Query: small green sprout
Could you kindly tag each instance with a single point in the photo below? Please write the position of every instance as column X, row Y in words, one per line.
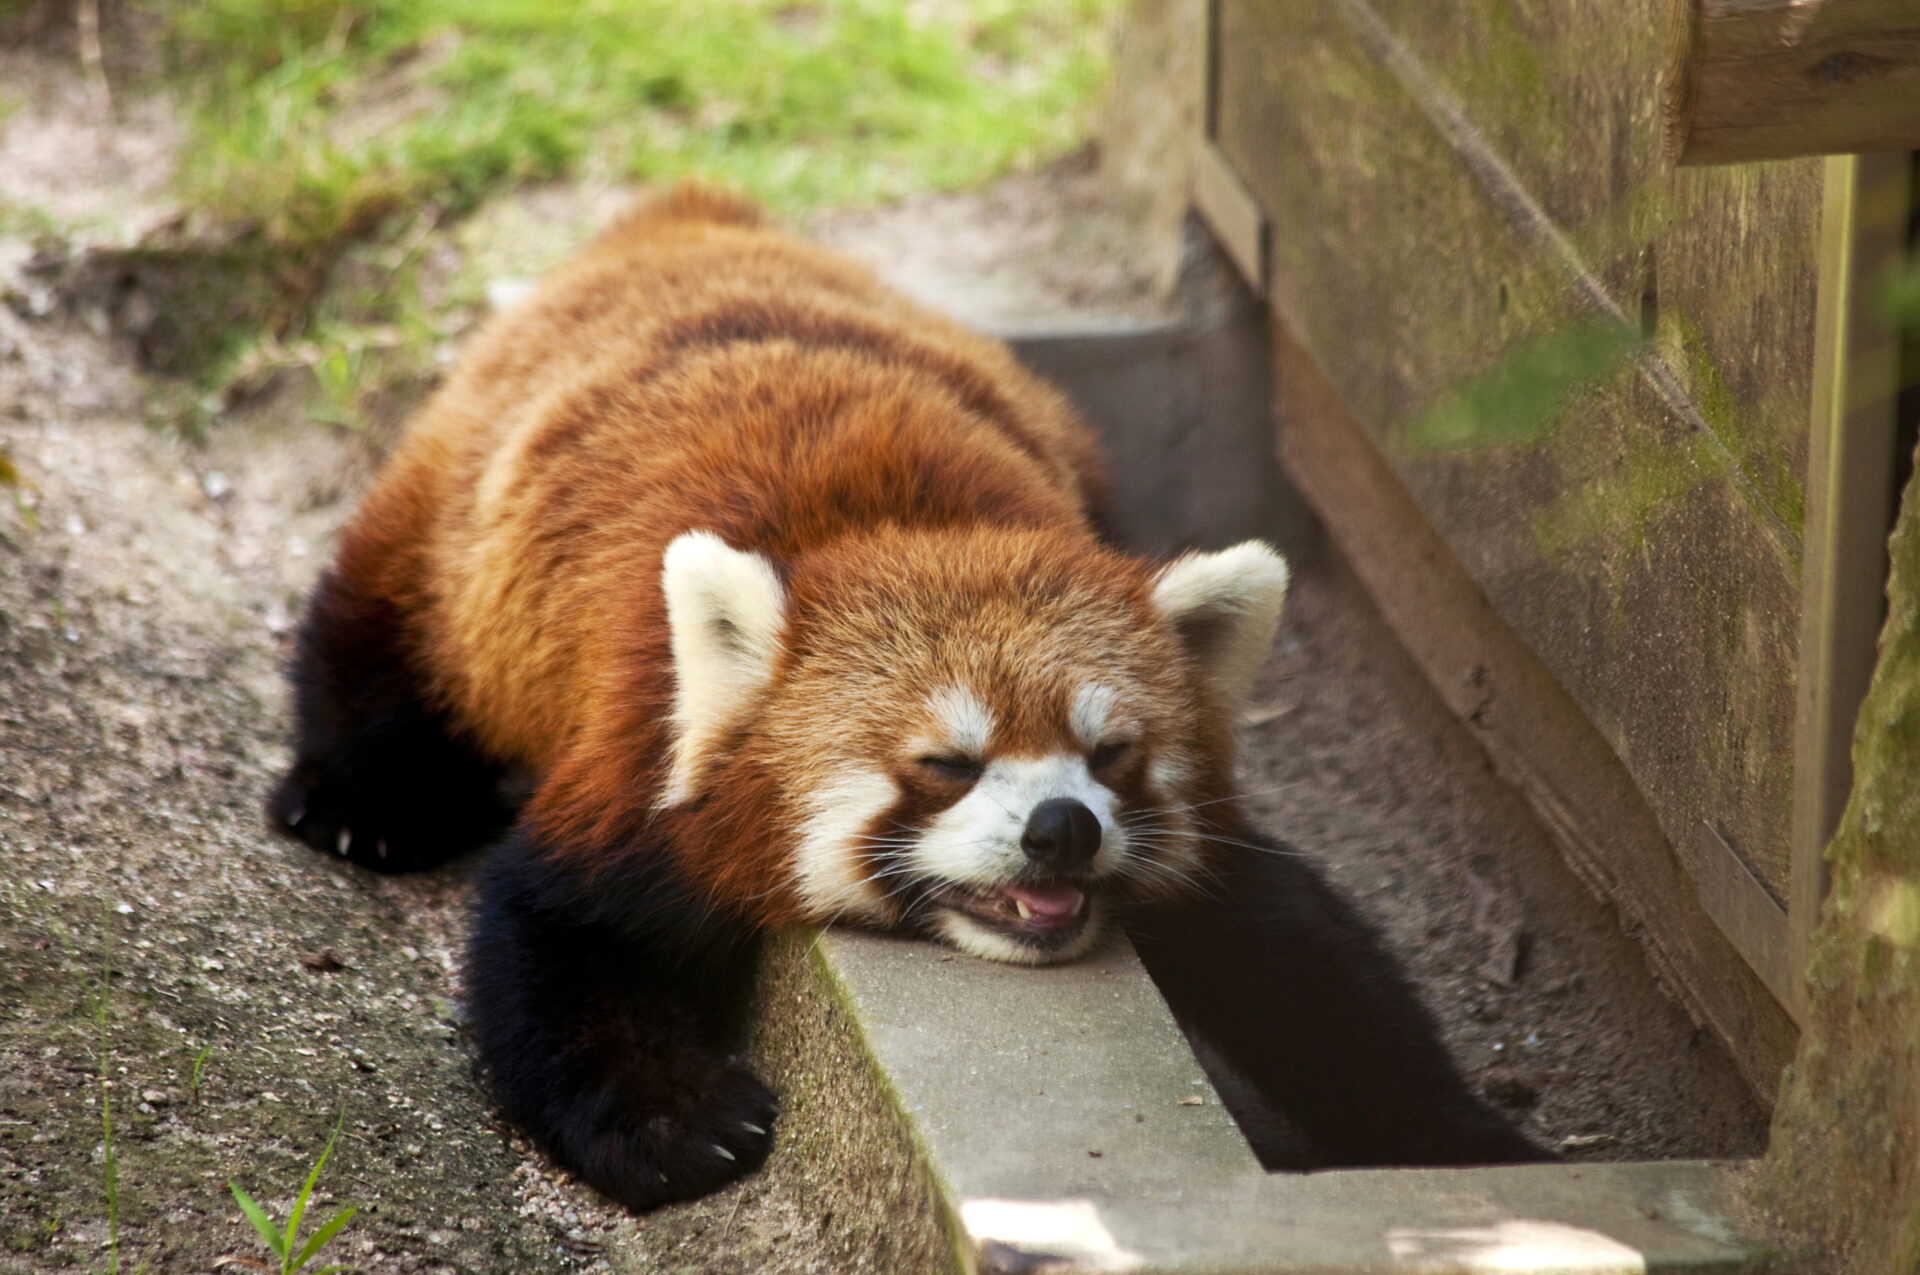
column 199, row 1066
column 282, row 1241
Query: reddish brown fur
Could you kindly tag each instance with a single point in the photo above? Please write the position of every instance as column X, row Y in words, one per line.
column 696, row 369
column 948, row 641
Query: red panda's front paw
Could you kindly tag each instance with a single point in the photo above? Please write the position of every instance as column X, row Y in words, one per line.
column 404, row 825
column 646, row 1160
column 328, row 818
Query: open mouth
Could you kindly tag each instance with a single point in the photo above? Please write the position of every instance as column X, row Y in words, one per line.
column 1042, row 914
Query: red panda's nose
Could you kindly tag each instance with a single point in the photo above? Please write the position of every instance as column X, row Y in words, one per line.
column 1062, row 835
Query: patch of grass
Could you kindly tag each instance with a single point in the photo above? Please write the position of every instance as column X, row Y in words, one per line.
column 330, row 136
column 319, row 118
column 26, row 220
column 281, row 1240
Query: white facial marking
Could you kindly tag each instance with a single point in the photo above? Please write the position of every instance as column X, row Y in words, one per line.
column 1091, row 713
column 828, row 861
column 976, row 840
column 965, row 724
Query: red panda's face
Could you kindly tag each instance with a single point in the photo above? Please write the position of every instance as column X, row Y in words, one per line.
column 989, row 737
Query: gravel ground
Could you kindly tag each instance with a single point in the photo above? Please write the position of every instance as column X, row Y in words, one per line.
column 146, row 587
column 144, row 600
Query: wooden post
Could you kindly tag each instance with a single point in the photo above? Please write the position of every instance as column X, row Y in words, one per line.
column 1770, row 79
column 1850, row 466
column 1222, row 199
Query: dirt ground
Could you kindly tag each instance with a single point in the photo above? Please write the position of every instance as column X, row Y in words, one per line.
column 259, row 992
column 1351, row 756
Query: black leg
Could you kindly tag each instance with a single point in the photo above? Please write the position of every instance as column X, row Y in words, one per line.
column 1280, row 974
column 379, row 774
column 606, row 1016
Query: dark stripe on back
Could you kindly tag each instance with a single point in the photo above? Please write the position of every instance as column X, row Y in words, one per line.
column 756, row 322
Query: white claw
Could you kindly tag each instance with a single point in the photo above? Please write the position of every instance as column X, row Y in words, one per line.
column 345, row 843
column 753, row 1128
column 723, row 1151
column 382, row 847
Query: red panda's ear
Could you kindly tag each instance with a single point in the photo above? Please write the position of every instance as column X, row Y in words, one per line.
column 1226, row 608
column 727, row 612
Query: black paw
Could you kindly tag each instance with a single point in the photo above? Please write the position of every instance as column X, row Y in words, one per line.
column 327, row 817
column 392, row 818
column 644, row 1158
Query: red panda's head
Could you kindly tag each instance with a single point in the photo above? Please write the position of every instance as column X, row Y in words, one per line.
column 990, row 736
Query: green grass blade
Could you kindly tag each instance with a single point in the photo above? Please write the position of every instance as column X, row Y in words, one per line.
column 261, row 1222
column 199, row 1065
column 306, row 1192
column 321, row 1236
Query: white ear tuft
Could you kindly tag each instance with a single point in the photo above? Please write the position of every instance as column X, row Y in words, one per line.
column 1226, row 608
column 726, row 610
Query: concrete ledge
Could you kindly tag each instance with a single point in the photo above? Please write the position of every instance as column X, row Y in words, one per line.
column 985, row 1118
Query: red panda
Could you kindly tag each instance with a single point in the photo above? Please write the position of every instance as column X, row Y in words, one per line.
column 726, row 590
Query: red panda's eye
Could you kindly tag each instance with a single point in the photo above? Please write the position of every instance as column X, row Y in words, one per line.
column 955, row 767
column 1108, row 754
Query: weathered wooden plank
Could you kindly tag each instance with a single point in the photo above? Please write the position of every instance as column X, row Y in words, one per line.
column 1753, row 920
column 1236, row 219
column 1773, row 79
column 1489, row 174
column 1537, row 736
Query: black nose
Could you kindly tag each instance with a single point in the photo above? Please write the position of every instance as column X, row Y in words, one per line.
column 1061, row 834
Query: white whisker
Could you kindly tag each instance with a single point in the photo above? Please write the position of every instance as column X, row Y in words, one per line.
column 1189, row 807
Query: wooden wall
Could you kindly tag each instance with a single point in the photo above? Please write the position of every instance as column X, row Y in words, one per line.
column 1460, row 201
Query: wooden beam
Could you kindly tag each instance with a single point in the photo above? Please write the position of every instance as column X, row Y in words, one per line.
column 1850, row 497
column 1218, row 193
column 1747, row 912
column 1771, row 79
column 1236, row 219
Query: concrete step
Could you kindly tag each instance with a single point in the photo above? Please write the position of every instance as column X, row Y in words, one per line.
column 976, row 1117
